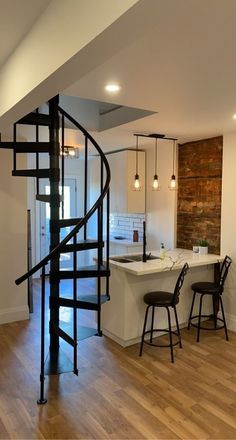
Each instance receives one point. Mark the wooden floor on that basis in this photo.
(119, 395)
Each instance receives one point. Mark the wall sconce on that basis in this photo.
(173, 182)
(70, 152)
(137, 184)
(155, 183)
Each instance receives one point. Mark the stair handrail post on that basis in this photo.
(54, 179)
(42, 399)
(74, 306)
(85, 183)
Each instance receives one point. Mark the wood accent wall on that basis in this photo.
(199, 193)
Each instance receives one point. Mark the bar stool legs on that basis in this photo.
(170, 331)
(144, 329)
(177, 326)
(191, 310)
(223, 316)
(170, 334)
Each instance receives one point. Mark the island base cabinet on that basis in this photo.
(123, 315)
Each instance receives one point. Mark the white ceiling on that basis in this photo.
(16, 19)
(184, 69)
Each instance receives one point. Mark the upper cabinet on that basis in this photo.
(123, 168)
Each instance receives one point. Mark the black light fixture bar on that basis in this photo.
(157, 136)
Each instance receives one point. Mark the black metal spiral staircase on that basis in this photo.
(56, 120)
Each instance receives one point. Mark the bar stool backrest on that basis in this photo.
(224, 271)
(180, 282)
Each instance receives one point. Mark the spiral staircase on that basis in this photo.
(57, 120)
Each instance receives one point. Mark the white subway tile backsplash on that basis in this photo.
(125, 224)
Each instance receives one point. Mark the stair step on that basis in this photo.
(63, 223)
(85, 302)
(93, 299)
(47, 198)
(34, 147)
(43, 173)
(85, 272)
(35, 119)
(82, 331)
(81, 246)
(57, 363)
(26, 147)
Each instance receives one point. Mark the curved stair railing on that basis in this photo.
(55, 363)
(83, 221)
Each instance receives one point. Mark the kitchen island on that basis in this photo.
(123, 315)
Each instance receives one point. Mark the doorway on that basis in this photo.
(70, 211)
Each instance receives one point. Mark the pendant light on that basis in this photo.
(155, 183)
(137, 185)
(173, 182)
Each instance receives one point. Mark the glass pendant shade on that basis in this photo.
(155, 183)
(137, 184)
(173, 183)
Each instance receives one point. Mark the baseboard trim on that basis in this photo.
(231, 322)
(126, 343)
(14, 314)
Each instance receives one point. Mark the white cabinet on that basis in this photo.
(123, 169)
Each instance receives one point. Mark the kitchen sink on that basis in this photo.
(140, 257)
(133, 258)
(121, 260)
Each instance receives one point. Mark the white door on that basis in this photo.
(70, 211)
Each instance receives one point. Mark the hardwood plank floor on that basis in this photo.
(118, 395)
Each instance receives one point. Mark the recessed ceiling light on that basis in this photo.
(234, 116)
(112, 88)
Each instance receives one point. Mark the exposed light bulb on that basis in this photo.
(173, 183)
(155, 183)
(137, 185)
(71, 152)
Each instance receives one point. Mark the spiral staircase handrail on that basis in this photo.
(82, 221)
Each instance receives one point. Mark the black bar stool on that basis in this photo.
(215, 290)
(163, 299)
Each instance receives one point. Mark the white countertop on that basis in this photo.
(173, 259)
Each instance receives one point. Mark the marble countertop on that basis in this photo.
(174, 259)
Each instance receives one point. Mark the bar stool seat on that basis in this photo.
(164, 299)
(159, 298)
(206, 288)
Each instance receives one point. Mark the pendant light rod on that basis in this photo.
(155, 167)
(173, 173)
(136, 154)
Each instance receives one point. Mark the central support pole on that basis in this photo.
(54, 164)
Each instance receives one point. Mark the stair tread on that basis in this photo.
(27, 147)
(83, 332)
(35, 119)
(85, 272)
(91, 298)
(43, 173)
(65, 222)
(47, 198)
(81, 245)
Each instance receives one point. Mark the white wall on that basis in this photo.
(160, 205)
(13, 235)
(68, 40)
(228, 224)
